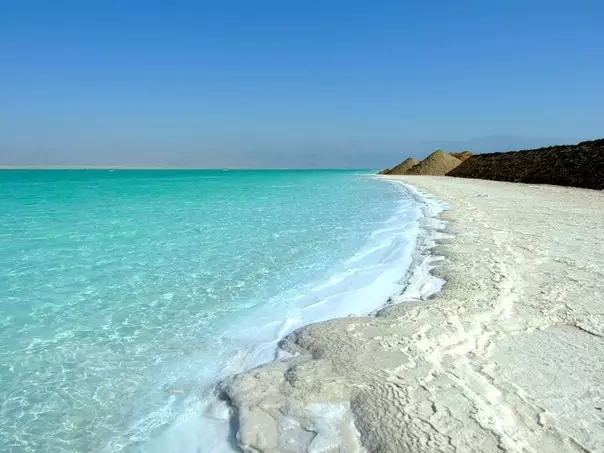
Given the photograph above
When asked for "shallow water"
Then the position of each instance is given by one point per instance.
(126, 295)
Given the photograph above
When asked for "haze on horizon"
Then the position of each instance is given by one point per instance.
(284, 84)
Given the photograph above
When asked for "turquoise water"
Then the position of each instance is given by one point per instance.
(126, 295)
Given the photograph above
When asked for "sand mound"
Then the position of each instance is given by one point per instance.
(463, 155)
(436, 164)
(401, 168)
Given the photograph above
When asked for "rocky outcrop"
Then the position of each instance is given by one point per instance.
(436, 164)
(580, 165)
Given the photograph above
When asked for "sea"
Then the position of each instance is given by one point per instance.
(127, 295)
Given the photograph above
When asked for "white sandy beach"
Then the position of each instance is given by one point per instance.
(508, 357)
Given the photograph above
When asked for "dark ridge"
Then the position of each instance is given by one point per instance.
(580, 165)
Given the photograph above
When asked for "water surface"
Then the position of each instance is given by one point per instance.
(125, 295)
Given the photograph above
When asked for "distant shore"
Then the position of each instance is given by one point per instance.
(508, 357)
(89, 167)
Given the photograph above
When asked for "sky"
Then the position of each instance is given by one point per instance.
(293, 83)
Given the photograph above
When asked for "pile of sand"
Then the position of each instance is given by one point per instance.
(463, 155)
(438, 163)
(401, 168)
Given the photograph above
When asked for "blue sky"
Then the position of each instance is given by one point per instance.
(293, 83)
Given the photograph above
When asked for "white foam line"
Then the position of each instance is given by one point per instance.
(419, 283)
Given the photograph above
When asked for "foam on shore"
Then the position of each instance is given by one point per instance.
(392, 262)
(326, 426)
(508, 357)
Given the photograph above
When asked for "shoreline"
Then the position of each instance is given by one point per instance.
(420, 282)
(305, 261)
(418, 285)
(368, 288)
(472, 368)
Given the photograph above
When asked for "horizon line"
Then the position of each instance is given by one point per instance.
(126, 167)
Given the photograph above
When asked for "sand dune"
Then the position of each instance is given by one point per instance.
(436, 164)
(464, 155)
(509, 357)
(402, 168)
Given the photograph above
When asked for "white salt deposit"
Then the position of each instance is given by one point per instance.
(508, 357)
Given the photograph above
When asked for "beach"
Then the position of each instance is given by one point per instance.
(507, 357)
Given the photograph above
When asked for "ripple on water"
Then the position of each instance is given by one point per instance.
(119, 291)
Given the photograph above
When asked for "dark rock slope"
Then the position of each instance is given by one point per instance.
(580, 165)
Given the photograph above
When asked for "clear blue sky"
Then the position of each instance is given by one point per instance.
(294, 83)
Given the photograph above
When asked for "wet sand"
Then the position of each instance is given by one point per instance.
(508, 357)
